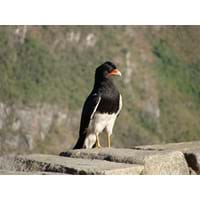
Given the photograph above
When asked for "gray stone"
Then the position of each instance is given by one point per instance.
(7, 163)
(7, 172)
(178, 158)
(154, 161)
(23, 127)
(172, 163)
(131, 156)
(38, 162)
(191, 151)
(181, 146)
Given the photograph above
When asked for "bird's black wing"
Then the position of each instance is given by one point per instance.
(88, 111)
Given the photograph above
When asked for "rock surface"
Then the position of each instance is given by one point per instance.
(181, 146)
(7, 172)
(23, 128)
(130, 156)
(172, 163)
(169, 159)
(154, 161)
(51, 163)
(191, 151)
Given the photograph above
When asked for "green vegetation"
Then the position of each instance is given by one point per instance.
(179, 94)
(56, 65)
(181, 76)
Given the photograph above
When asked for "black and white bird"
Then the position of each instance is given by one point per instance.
(100, 109)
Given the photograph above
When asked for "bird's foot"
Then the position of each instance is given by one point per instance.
(98, 146)
(98, 142)
(109, 141)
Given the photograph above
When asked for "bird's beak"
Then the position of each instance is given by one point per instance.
(115, 72)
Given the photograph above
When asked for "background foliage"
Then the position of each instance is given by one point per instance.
(160, 66)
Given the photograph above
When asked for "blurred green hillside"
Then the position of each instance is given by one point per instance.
(160, 85)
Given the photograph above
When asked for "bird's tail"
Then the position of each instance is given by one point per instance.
(80, 142)
(90, 142)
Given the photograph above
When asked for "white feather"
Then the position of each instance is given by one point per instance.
(95, 107)
(100, 122)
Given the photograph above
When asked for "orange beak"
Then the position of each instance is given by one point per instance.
(115, 72)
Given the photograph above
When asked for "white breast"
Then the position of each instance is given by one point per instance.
(100, 122)
(103, 121)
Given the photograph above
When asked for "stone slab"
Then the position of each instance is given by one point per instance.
(51, 163)
(172, 163)
(7, 172)
(181, 146)
(191, 151)
(131, 156)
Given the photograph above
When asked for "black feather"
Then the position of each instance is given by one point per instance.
(87, 112)
(109, 98)
(105, 94)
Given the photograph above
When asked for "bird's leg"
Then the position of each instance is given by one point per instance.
(98, 143)
(109, 140)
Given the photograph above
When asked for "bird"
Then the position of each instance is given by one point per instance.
(101, 108)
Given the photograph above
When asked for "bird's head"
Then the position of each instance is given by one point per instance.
(106, 70)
